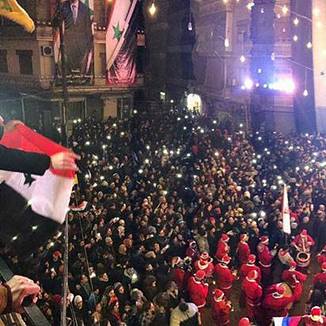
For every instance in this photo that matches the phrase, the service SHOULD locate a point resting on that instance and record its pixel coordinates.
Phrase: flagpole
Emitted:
(64, 140)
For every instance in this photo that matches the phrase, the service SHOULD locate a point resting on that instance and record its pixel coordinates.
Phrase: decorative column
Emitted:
(319, 61)
(262, 67)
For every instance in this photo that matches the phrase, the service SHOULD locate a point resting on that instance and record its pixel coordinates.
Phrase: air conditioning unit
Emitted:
(47, 50)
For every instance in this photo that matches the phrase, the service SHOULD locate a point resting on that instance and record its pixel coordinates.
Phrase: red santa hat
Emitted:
(315, 313)
(226, 259)
(293, 264)
(225, 237)
(304, 233)
(218, 295)
(323, 266)
(251, 259)
(279, 291)
(244, 322)
(264, 239)
(252, 275)
(243, 237)
(199, 275)
(57, 254)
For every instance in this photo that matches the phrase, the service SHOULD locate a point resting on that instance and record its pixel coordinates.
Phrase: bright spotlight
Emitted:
(248, 84)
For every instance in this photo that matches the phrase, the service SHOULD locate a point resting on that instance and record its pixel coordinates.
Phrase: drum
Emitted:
(303, 259)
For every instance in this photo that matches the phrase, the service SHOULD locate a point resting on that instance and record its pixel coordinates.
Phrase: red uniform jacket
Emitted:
(178, 275)
(198, 292)
(224, 277)
(222, 250)
(221, 312)
(276, 307)
(321, 258)
(252, 291)
(299, 242)
(295, 279)
(246, 268)
(320, 277)
(208, 268)
(243, 252)
(264, 256)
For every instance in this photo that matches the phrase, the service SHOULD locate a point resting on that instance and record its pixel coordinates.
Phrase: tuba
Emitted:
(303, 256)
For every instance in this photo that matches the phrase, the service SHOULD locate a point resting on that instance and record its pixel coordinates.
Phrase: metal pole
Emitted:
(64, 139)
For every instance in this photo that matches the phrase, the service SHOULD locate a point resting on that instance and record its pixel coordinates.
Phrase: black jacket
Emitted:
(19, 161)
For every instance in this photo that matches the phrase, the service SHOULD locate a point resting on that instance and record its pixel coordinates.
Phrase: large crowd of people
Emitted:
(172, 212)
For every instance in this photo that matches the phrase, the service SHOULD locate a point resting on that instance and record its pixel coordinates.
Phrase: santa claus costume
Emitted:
(243, 249)
(223, 247)
(250, 266)
(275, 303)
(252, 293)
(177, 272)
(198, 289)
(265, 258)
(192, 251)
(303, 241)
(321, 277)
(221, 309)
(295, 279)
(205, 263)
(315, 318)
(224, 276)
(321, 257)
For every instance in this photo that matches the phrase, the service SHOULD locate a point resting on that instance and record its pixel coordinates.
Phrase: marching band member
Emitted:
(275, 303)
(321, 257)
(295, 279)
(252, 292)
(223, 247)
(198, 289)
(243, 249)
(321, 277)
(250, 266)
(224, 276)
(265, 257)
(315, 318)
(192, 250)
(221, 309)
(303, 241)
(205, 263)
(177, 272)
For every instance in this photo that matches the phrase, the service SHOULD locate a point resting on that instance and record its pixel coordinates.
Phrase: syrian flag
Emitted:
(286, 212)
(121, 43)
(287, 321)
(32, 207)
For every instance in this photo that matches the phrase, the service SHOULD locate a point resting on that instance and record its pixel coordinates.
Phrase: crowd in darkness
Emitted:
(153, 184)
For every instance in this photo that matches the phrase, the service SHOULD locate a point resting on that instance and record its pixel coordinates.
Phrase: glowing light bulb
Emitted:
(152, 9)
(190, 26)
(226, 43)
(285, 10)
(309, 45)
(296, 21)
(305, 93)
(295, 38)
(242, 59)
(250, 5)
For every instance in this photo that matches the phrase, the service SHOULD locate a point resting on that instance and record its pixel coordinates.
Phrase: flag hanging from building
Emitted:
(286, 212)
(13, 11)
(121, 43)
(32, 207)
